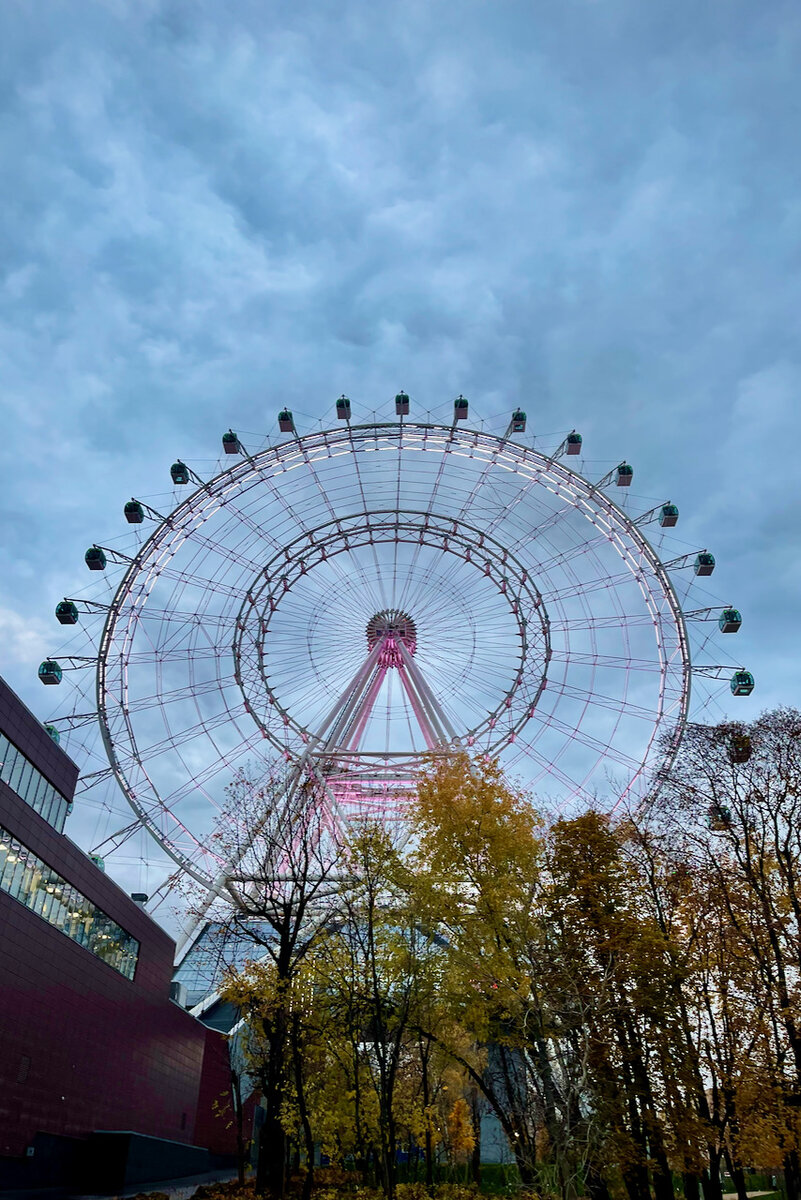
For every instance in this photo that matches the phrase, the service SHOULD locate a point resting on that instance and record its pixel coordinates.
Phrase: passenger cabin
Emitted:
(668, 516)
(285, 422)
(402, 404)
(624, 475)
(740, 749)
(730, 620)
(230, 442)
(573, 440)
(704, 563)
(53, 733)
(66, 613)
(718, 818)
(50, 671)
(134, 513)
(742, 683)
(459, 408)
(343, 408)
(95, 559)
(518, 421)
(179, 472)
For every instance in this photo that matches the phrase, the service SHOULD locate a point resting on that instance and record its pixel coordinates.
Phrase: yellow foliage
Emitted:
(461, 1135)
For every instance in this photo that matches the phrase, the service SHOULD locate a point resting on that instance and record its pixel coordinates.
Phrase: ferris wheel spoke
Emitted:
(180, 738)
(628, 620)
(181, 654)
(197, 782)
(601, 700)
(604, 749)
(611, 661)
(521, 496)
(577, 589)
(324, 495)
(172, 696)
(551, 771)
(164, 618)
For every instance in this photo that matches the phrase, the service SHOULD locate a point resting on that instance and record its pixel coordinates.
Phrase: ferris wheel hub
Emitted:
(391, 626)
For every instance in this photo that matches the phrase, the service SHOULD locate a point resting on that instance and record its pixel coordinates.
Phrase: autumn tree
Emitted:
(282, 886)
(476, 872)
(733, 803)
(380, 968)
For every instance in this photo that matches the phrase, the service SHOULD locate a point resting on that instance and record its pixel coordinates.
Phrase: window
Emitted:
(33, 883)
(31, 786)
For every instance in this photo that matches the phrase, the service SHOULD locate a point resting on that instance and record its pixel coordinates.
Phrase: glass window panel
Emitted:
(26, 778)
(5, 756)
(38, 894)
(10, 868)
(15, 772)
(44, 796)
(36, 791)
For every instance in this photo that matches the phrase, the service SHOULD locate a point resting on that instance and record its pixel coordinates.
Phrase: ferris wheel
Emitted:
(350, 601)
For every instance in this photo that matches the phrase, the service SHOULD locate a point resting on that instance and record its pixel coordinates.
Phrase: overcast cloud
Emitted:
(587, 207)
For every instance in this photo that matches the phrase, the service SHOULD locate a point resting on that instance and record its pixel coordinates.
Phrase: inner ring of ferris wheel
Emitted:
(495, 652)
(546, 629)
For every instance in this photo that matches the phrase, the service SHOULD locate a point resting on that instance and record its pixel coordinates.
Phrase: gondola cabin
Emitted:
(718, 818)
(343, 408)
(742, 683)
(98, 861)
(402, 404)
(134, 513)
(66, 613)
(573, 441)
(285, 422)
(459, 408)
(624, 475)
(518, 421)
(179, 472)
(729, 620)
(53, 733)
(95, 559)
(230, 442)
(704, 563)
(50, 672)
(740, 749)
(668, 516)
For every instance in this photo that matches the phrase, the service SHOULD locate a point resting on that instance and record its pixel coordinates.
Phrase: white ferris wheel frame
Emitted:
(156, 554)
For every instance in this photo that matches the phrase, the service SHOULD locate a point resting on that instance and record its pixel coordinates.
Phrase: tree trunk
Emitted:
(662, 1174)
(596, 1185)
(692, 1186)
(425, 1054)
(236, 1100)
(308, 1138)
(737, 1176)
(792, 1175)
(475, 1157)
(271, 1168)
(710, 1180)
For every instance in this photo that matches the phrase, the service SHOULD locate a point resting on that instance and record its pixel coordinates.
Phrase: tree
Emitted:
(379, 967)
(733, 802)
(474, 877)
(283, 887)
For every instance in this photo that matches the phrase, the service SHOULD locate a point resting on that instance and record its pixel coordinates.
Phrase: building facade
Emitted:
(90, 1042)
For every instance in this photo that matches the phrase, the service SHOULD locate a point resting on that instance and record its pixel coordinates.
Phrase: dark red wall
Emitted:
(81, 1047)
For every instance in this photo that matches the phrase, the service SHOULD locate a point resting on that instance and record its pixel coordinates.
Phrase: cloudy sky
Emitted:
(588, 207)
